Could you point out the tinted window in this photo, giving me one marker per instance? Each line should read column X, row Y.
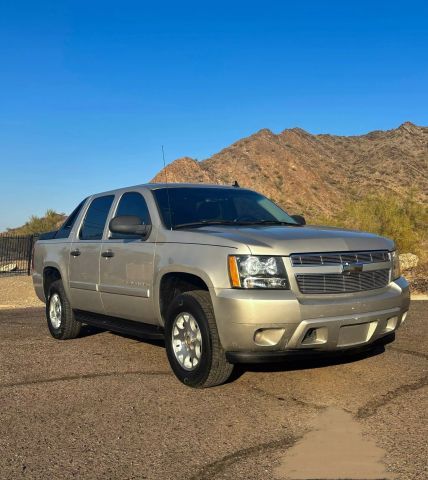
column 181, row 206
column 66, row 227
column 95, row 219
column 132, row 203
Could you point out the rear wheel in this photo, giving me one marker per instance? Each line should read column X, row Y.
column 59, row 314
column 192, row 342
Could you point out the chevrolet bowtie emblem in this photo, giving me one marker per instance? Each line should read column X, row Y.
column 348, row 268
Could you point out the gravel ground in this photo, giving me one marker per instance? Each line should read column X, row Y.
column 17, row 291
column 107, row 406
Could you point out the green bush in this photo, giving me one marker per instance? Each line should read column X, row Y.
column 49, row 222
column 404, row 219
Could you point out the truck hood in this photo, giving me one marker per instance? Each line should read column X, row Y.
column 285, row 240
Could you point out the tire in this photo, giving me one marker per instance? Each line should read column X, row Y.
column 211, row 368
column 59, row 314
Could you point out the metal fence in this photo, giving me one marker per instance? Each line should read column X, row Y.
column 16, row 253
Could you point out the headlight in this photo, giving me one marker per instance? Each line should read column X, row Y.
column 249, row 271
column 396, row 272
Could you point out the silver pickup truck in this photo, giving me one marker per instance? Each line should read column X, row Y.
column 222, row 274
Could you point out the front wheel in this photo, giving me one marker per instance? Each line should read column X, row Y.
column 59, row 314
column 192, row 342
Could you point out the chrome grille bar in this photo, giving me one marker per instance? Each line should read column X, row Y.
column 318, row 273
column 338, row 258
column 338, row 283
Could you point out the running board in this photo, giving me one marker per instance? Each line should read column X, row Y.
column 121, row 325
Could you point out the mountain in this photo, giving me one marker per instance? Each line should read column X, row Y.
column 316, row 174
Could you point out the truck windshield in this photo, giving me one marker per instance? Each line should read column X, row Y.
column 195, row 207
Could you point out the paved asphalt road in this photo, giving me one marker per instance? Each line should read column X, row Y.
column 107, row 406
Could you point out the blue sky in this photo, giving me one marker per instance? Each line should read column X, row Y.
column 90, row 90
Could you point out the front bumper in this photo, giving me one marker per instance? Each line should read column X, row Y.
column 306, row 354
column 263, row 324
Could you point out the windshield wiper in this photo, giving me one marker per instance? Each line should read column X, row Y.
column 206, row 223
column 231, row 222
column 272, row 222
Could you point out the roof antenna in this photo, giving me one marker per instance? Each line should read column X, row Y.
column 235, row 184
column 167, row 189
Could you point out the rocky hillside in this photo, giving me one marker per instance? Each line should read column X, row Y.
column 315, row 174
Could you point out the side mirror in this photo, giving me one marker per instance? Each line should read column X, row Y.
column 300, row 219
column 129, row 225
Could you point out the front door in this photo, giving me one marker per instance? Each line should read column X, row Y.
column 85, row 257
column 126, row 268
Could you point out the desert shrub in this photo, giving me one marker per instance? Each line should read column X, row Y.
column 404, row 219
column 35, row 224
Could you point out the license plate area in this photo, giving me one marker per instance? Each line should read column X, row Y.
column 356, row 334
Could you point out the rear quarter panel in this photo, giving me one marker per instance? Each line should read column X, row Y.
column 50, row 253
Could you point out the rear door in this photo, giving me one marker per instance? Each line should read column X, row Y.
column 126, row 268
column 85, row 256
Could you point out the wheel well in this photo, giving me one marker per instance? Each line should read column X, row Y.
column 50, row 274
column 173, row 284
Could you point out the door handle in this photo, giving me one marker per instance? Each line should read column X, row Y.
column 107, row 254
column 75, row 253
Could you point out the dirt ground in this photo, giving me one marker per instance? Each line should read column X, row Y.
column 106, row 406
column 18, row 291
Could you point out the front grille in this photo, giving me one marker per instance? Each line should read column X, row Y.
column 339, row 283
column 314, row 259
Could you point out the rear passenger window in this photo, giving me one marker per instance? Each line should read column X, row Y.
column 95, row 219
column 66, row 227
column 132, row 203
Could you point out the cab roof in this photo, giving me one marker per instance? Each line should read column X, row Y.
column 154, row 186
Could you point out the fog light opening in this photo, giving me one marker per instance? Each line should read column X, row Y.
column 268, row 336
column 315, row 336
column 391, row 324
column 310, row 336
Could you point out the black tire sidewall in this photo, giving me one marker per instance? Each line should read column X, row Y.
column 197, row 377
column 56, row 332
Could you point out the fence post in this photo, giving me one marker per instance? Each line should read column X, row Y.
column 30, row 254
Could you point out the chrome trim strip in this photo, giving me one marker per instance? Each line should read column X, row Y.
column 124, row 290
column 83, row 286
